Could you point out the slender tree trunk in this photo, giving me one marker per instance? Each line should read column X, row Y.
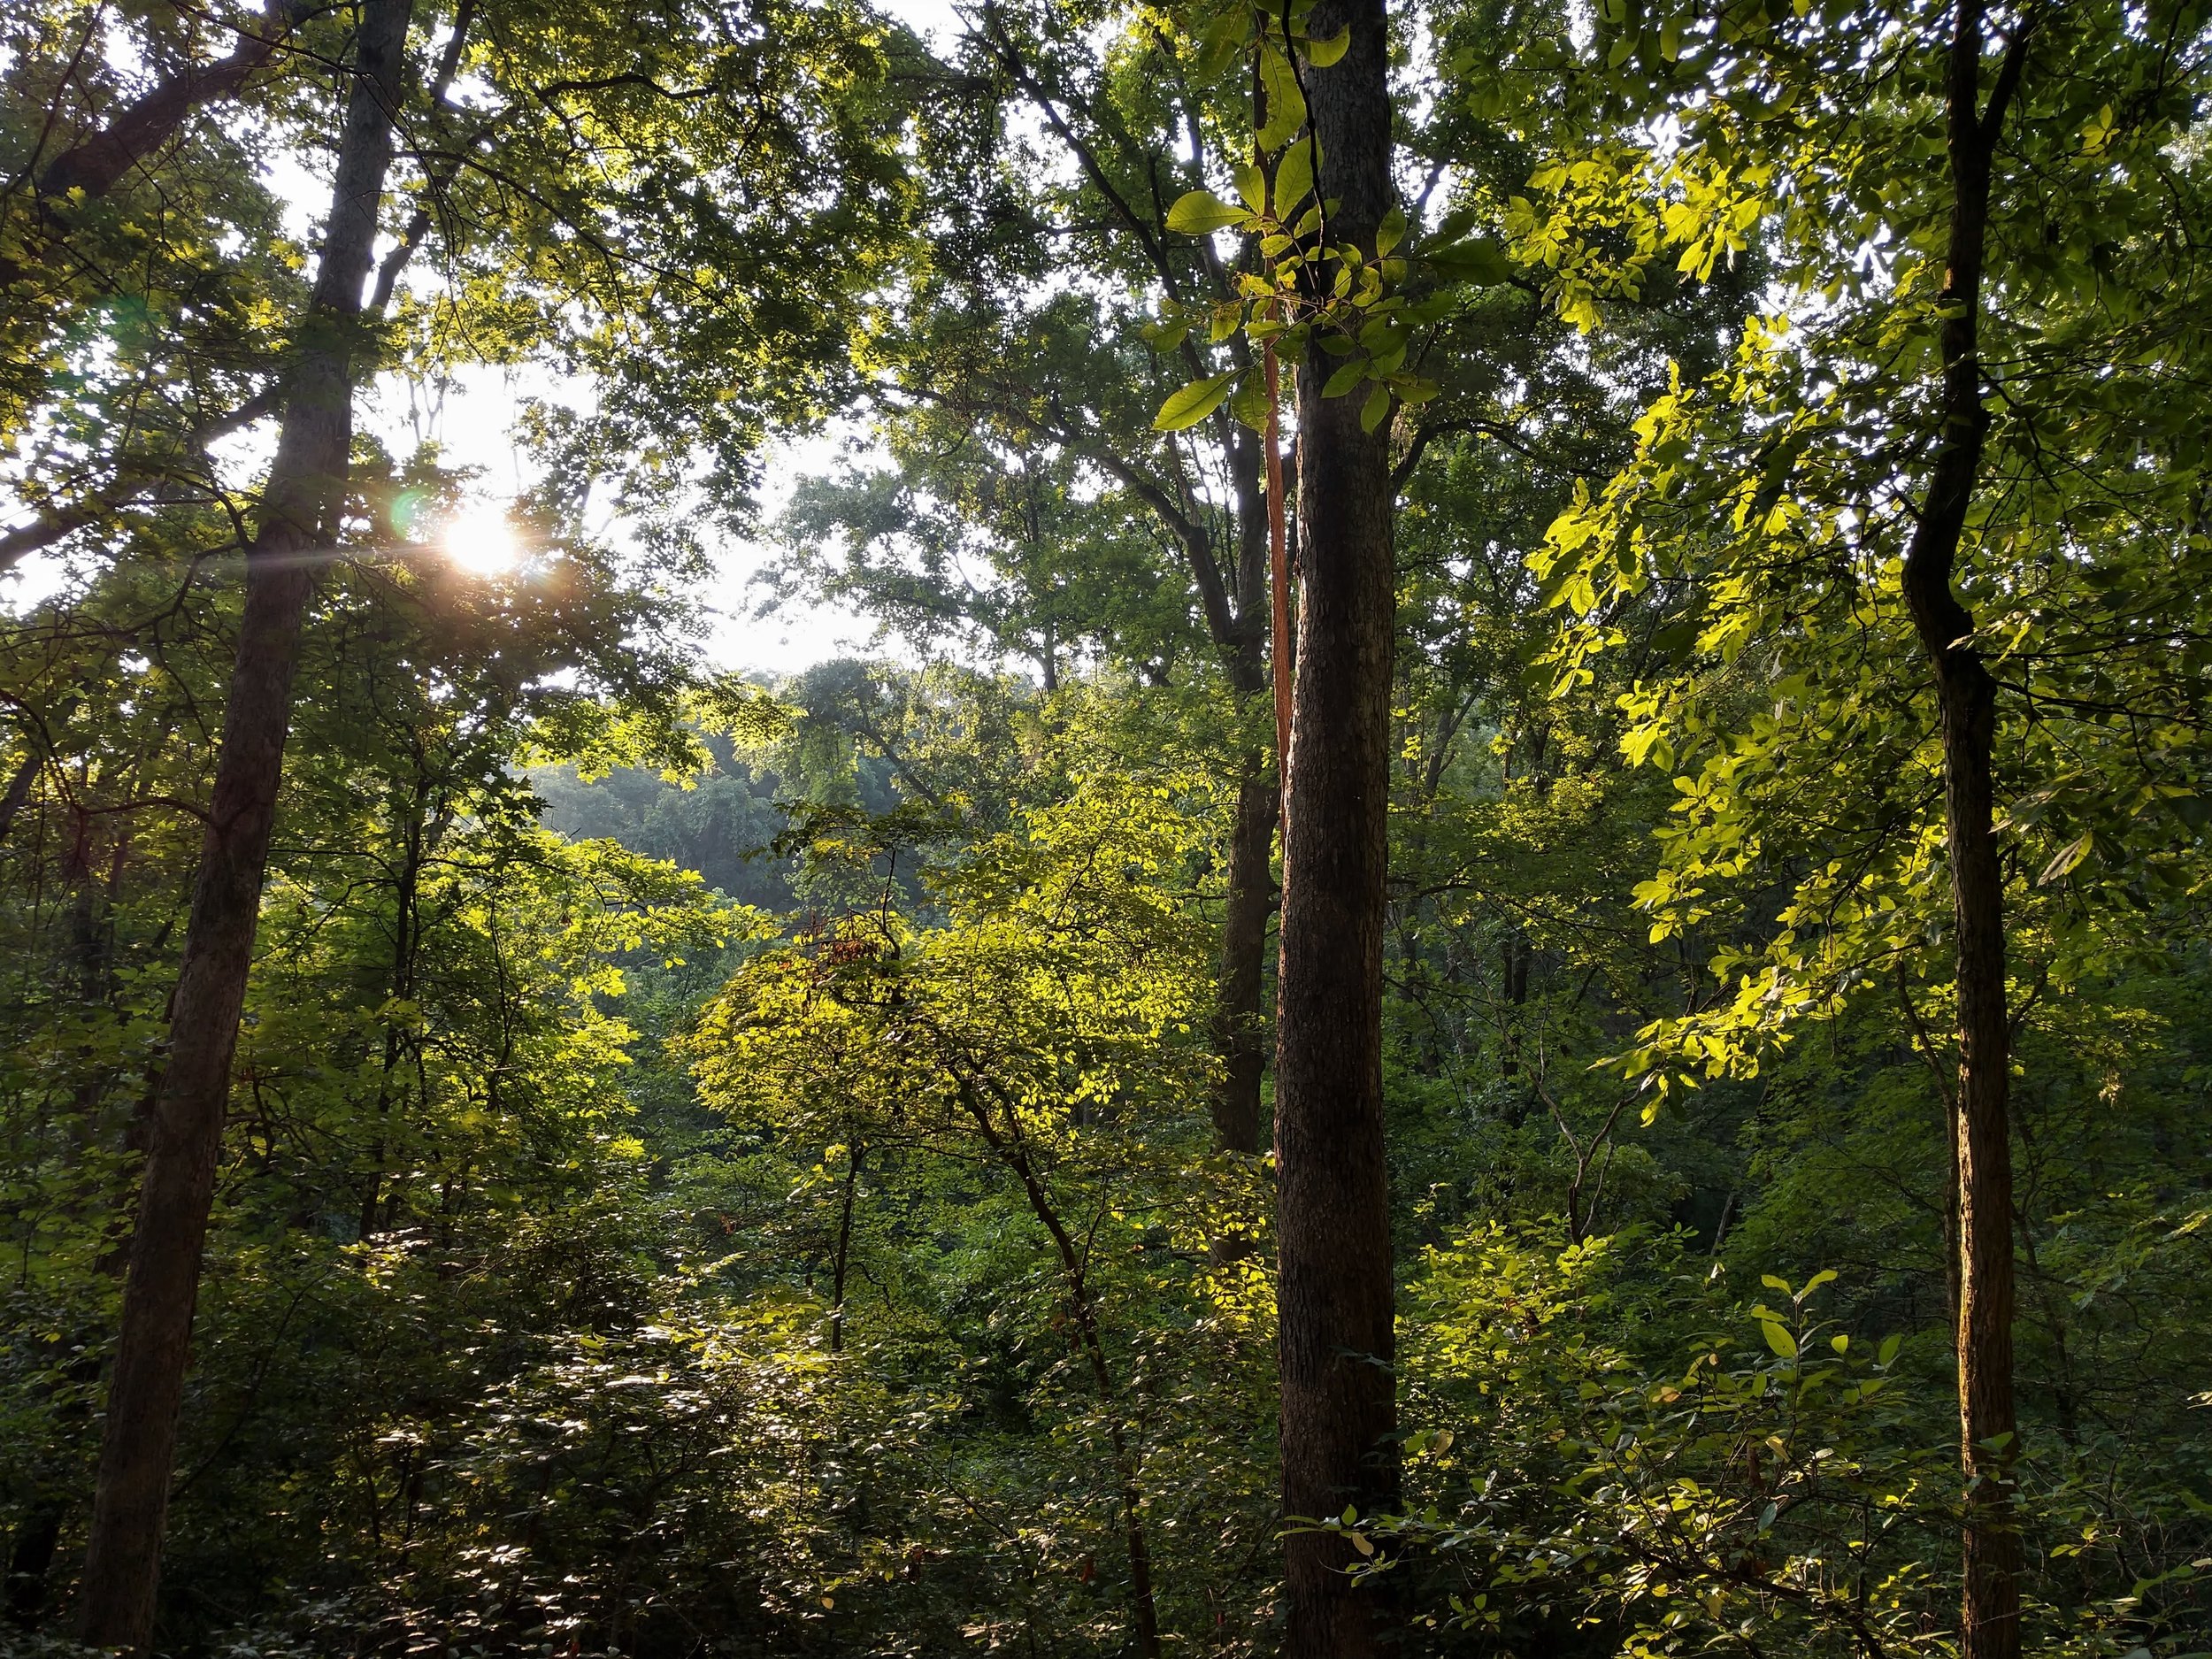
column 853, row 1154
column 305, row 491
column 413, row 820
column 1012, row 1150
column 1240, row 1011
column 1967, row 698
column 1241, row 1014
column 1337, row 1347
column 19, row 791
column 95, row 165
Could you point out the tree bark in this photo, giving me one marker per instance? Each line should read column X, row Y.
column 1967, row 699
column 300, row 505
column 1337, row 1347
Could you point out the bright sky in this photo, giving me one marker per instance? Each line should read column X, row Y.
column 473, row 423
column 473, row 429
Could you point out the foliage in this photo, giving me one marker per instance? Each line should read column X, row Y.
column 724, row 1167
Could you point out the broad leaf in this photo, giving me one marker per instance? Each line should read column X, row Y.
column 1201, row 212
column 1193, row 402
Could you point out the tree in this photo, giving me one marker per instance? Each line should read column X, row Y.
column 993, row 368
column 300, row 503
column 1890, row 515
column 1044, row 1032
column 1333, row 1219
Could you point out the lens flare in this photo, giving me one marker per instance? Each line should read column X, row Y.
column 481, row 540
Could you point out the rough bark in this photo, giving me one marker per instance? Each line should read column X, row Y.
column 1337, row 1348
column 1967, row 699
column 300, row 504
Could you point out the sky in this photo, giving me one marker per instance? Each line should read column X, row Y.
column 473, row 427
column 474, row 430
column 471, row 420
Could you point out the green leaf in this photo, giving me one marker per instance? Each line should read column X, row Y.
column 1887, row 1353
column 1193, row 404
column 1391, row 232
column 1285, row 104
column 1167, row 335
column 1294, row 178
column 1349, row 374
column 1228, row 31
column 1249, row 405
column 1479, row 260
column 1252, row 188
column 1376, row 409
column 1201, row 212
column 1780, row 1341
column 1322, row 54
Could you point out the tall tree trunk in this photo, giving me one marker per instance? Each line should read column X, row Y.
column 1337, row 1347
column 305, row 491
column 1967, row 698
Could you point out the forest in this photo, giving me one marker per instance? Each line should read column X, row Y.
column 1497, row 945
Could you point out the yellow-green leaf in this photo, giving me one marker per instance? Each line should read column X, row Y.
column 1193, row 402
column 1322, row 54
column 1201, row 212
column 1294, row 178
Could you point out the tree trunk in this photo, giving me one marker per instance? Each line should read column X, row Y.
column 1337, row 1348
column 299, row 507
column 19, row 792
column 1967, row 698
column 31, row 1558
column 853, row 1154
column 1240, row 1008
column 1240, row 1011
column 1012, row 1150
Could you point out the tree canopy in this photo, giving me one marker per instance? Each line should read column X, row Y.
column 1501, row 952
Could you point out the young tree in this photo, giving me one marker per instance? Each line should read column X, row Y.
column 1919, row 470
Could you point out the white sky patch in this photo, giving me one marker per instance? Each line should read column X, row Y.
column 471, row 415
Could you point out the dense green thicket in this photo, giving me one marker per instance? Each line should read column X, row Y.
column 726, row 1166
